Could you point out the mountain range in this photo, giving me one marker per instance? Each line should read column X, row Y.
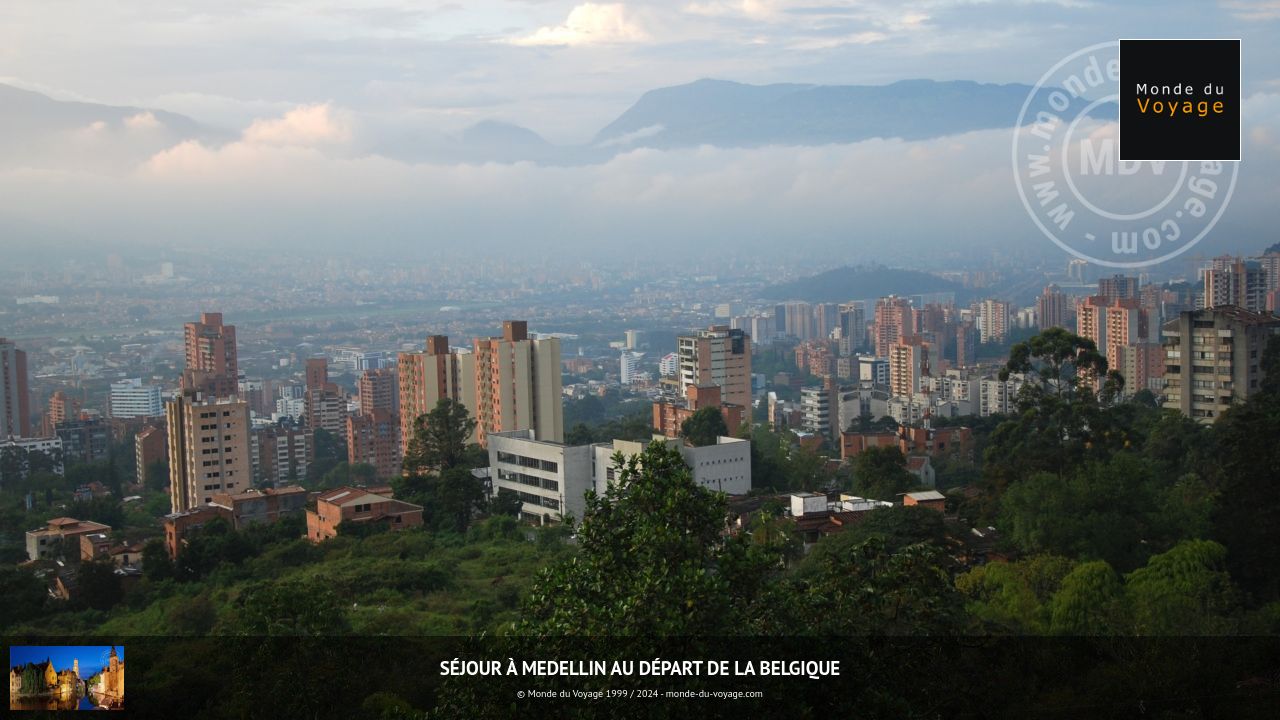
column 706, row 112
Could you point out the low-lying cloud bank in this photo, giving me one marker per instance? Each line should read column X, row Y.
column 305, row 179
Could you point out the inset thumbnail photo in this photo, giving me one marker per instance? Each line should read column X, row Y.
column 66, row 677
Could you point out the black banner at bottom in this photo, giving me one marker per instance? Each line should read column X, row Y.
column 861, row 677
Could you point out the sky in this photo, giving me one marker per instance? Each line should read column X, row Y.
column 92, row 657
column 306, row 91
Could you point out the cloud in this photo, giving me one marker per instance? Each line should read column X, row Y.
column 908, row 202
column 824, row 43
column 307, row 126
column 589, row 24
column 628, row 138
column 1254, row 10
column 145, row 120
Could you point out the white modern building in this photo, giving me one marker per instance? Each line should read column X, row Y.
column 873, row 370
column 131, row 398
column 50, row 446
column 724, row 467
column 669, row 365
column 551, row 478
column 630, row 367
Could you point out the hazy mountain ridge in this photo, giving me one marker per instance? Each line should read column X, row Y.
column 715, row 112
column 705, row 112
column 855, row 283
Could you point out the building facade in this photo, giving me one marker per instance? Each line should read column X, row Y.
column 550, row 478
column 1213, row 359
column 15, row 397
column 212, row 364
column 717, row 356
column 356, row 505
column 131, row 399
column 280, row 454
column 373, row 438
column 209, row 448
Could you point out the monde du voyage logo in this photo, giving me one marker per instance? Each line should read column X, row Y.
column 1124, row 152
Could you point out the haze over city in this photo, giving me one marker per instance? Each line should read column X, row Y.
column 430, row 129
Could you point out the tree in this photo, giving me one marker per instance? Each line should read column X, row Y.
column 897, row 527
column 1246, row 515
column 193, row 616
column 289, row 608
column 579, row 434
column 866, row 590
column 1105, row 510
column 1012, row 597
column 1087, row 601
column 99, row 586
column 158, row 476
column 1056, row 360
column 652, row 559
column 506, row 502
column 1185, row 591
column 704, row 426
column 156, row 563
column 346, row 474
column 1060, row 423
column 22, row 595
column 440, row 438
column 880, row 473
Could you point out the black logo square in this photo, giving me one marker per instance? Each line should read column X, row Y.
column 1180, row 99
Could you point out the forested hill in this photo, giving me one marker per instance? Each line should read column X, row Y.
column 857, row 283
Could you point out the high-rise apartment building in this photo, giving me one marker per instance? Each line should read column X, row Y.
column 1126, row 324
column 317, row 373
column 373, row 438
column 259, row 395
column 212, row 365
column 379, row 390
column 1118, row 287
column 209, row 448
column 853, row 325
column 280, row 455
column 893, row 321
column 131, row 399
column 795, row 319
column 1052, row 309
column 966, row 344
column 717, row 356
column 84, row 440
column 1139, row 363
column 15, row 397
column 427, row 376
column 510, row 382
column 518, row 384
column 1242, row 283
column 629, row 367
column 1270, row 264
column 825, row 320
column 325, row 407
column 994, row 326
column 908, row 363
column 149, row 447
column 1091, row 320
column 61, row 408
column 1213, row 358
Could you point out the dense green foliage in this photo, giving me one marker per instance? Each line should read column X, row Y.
column 704, row 426
column 653, row 560
column 1117, row 517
